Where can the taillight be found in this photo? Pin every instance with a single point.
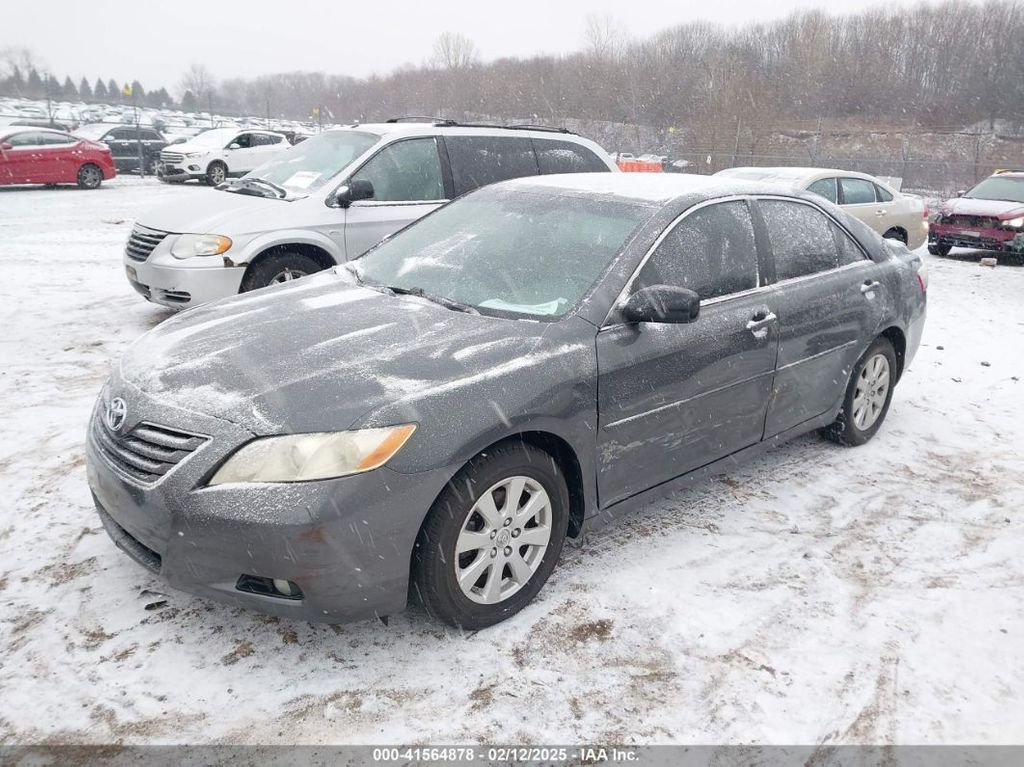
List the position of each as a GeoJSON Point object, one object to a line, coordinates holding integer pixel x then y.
{"type": "Point", "coordinates": [922, 278]}
{"type": "Point", "coordinates": [925, 213]}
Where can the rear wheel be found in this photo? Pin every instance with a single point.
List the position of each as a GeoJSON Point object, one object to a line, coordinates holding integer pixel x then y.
{"type": "Point", "coordinates": [867, 396]}
{"type": "Point", "coordinates": [216, 172]}
{"type": "Point", "coordinates": [938, 249]}
{"type": "Point", "coordinates": [896, 234]}
{"type": "Point", "coordinates": [276, 268]}
{"type": "Point", "coordinates": [89, 176]}
{"type": "Point", "coordinates": [492, 538]}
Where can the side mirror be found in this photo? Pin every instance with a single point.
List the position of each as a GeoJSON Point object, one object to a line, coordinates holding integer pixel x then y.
{"type": "Point", "coordinates": [353, 191]}
{"type": "Point", "coordinates": [662, 303]}
{"type": "Point", "coordinates": [234, 145]}
{"type": "Point", "coordinates": [961, 192]}
{"type": "Point", "coordinates": [5, 146]}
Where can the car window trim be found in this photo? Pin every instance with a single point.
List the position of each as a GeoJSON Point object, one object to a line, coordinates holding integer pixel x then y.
{"type": "Point", "coordinates": [623, 294]}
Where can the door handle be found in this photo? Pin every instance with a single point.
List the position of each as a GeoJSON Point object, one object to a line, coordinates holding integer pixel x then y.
{"type": "Point", "coordinates": [758, 324]}
{"type": "Point", "coordinates": [882, 212]}
{"type": "Point", "coordinates": [869, 285]}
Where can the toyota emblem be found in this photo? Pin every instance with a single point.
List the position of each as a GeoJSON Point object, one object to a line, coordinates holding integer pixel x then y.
{"type": "Point", "coordinates": [117, 412]}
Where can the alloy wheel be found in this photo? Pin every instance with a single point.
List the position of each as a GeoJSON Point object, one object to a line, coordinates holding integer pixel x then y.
{"type": "Point", "coordinates": [871, 392]}
{"type": "Point", "coordinates": [503, 540]}
{"type": "Point", "coordinates": [287, 275]}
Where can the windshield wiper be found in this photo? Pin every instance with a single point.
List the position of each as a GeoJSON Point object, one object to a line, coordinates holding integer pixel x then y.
{"type": "Point", "coordinates": [349, 267]}
{"type": "Point", "coordinates": [242, 184]}
{"type": "Point", "coordinates": [447, 303]}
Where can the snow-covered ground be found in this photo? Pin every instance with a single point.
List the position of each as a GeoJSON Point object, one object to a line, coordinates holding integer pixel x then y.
{"type": "Point", "coordinates": [816, 595]}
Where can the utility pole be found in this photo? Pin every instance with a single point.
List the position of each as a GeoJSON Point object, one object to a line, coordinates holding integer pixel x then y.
{"type": "Point", "coordinates": [736, 146]}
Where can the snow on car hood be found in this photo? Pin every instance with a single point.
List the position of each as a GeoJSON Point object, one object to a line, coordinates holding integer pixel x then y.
{"type": "Point", "coordinates": [968, 206]}
{"type": "Point", "coordinates": [319, 354]}
{"type": "Point", "coordinates": [211, 211]}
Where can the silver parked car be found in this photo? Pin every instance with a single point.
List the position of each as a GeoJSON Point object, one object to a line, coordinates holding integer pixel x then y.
{"type": "Point", "coordinates": [434, 418]}
{"type": "Point", "coordinates": [330, 199]}
{"type": "Point", "coordinates": [892, 214]}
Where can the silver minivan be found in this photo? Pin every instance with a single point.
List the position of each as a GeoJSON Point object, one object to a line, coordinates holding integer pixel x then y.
{"type": "Point", "coordinates": [330, 199]}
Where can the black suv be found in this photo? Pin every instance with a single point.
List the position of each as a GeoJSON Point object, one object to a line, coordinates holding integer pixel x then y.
{"type": "Point", "coordinates": [125, 142]}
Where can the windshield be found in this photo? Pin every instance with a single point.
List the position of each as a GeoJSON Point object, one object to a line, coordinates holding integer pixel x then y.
{"type": "Point", "coordinates": [309, 165]}
{"type": "Point", "coordinates": [217, 137]}
{"type": "Point", "coordinates": [531, 254]}
{"type": "Point", "coordinates": [1006, 188]}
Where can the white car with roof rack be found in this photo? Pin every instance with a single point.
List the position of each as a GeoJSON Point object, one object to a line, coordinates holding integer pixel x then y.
{"type": "Point", "coordinates": [215, 155]}
{"type": "Point", "coordinates": [331, 198]}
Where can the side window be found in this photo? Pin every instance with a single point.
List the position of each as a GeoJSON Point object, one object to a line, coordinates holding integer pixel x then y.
{"type": "Point", "coordinates": [25, 139]}
{"type": "Point", "coordinates": [151, 135]}
{"type": "Point", "coordinates": [849, 252]}
{"type": "Point", "coordinates": [481, 160]}
{"type": "Point", "coordinates": [244, 141]}
{"type": "Point", "coordinates": [882, 194]}
{"type": "Point", "coordinates": [265, 139]}
{"type": "Point", "coordinates": [825, 187]}
{"type": "Point", "coordinates": [406, 171]}
{"type": "Point", "coordinates": [122, 134]}
{"type": "Point", "coordinates": [566, 157]}
{"type": "Point", "coordinates": [801, 238]}
{"type": "Point", "coordinates": [58, 139]}
{"type": "Point", "coordinates": [857, 191]}
{"type": "Point", "coordinates": [712, 252]}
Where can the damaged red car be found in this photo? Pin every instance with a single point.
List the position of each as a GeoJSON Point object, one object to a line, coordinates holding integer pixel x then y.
{"type": "Point", "coordinates": [990, 216]}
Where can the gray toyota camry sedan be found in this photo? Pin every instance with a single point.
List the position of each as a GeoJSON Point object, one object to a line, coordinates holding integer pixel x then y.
{"type": "Point", "coordinates": [428, 423]}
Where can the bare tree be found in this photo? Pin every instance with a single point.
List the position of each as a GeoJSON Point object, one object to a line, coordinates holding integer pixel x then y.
{"type": "Point", "coordinates": [199, 81]}
{"type": "Point", "coordinates": [604, 37]}
{"type": "Point", "coordinates": [454, 51]}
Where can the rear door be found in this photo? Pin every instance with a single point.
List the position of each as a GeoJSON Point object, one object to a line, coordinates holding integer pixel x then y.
{"type": "Point", "coordinates": [857, 197]}
{"type": "Point", "coordinates": [57, 155]}
{"type": "Point", "coordinates": [828, 296]}
{"type": "Point", "coordinates": [408, 183]}
{"type": "Point", "coordinates": [675, 397]}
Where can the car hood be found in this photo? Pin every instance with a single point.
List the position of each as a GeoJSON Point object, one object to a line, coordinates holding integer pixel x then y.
{"type": "Point", "coordinates": [967, 206]}
{"type": "Point", "coordinates": [322, 353]}
{"type": "Point", "coordinates": [212, 211]}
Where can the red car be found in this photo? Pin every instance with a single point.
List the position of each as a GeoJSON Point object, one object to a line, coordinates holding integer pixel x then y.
{"type": "Point", "coordinates": [990, 216]}
{"type": "Point", "coordinates": [44, 156]}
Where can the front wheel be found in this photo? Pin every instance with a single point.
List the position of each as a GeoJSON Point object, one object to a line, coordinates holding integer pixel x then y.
{"type": "Point", "coordinates": [492, 538]}
{"type": "Point", "coordinates": [89, 176]}
{"type": "Point", "coordinates": [896, 234]}
{"type": "Point", "coordinates": [867, 396]}
{"type": "Point", "coordinates": [937, 249]}
{"type": "Point", "coordinates": [216, 173]}
{"type": "Point", "coordinates": [277, 268]}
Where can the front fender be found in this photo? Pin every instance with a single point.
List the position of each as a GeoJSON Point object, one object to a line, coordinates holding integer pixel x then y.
{"type": "Point", "coordinates": [284, 237]}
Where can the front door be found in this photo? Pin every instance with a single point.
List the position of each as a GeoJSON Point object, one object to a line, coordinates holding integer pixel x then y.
{"type": "Point", "coordinates": [407, 184]}
{"type": "Point", "coordinates": [675, 397]}
{"type": "Point", "coordinates": [857, 197]}
{"type": "Point", "coordinates": [829, 297]}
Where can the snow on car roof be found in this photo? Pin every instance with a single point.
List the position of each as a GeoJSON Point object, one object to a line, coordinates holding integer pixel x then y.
{"type": "Point", "coordinates": [651, 187]}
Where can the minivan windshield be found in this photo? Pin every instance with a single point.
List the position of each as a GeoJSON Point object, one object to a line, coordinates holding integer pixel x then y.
{"type": "Point", "coordinates": [312, 163]}
{"type": "Point", "coordinates": [1005, 188]}
{"type": "Point", "coordinates": [507, 252]}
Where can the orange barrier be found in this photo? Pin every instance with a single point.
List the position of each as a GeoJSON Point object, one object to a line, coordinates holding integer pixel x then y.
{"type": "Point", "coordinates": [635, 166]}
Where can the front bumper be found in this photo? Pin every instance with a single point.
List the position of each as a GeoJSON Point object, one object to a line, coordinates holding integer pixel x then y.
{"type": "Point", "coordinates": [179, 171]}
{"type": "Point", "coordinates": [999, 239]}
{"type": "Point", "coordinates": [347, 543]}
{"type": "Point", "coordinates": [166, 280]}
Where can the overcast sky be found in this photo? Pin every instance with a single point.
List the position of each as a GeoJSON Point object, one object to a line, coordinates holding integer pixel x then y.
{"type": "Point", "coordinates": [154, 42]}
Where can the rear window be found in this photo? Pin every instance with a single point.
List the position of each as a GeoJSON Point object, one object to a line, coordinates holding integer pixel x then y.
{"type": "Point", "coordinates": [566, 157]}
{"type": "Point", "coordinates": [480, 160]}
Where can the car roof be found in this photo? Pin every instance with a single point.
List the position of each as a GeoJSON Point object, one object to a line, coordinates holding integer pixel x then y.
{"type": "Point", "coordinates": [31, 129]}
{"type": "Point", "coordinates": [654, 188]}
{"type": "Point", "coordinates": [792, 174]}
{"type": "Point", "coordinates": [455, 129]}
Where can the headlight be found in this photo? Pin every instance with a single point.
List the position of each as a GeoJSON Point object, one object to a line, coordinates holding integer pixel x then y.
{"type": "Point", "coordinates": [188, 245]}
{"type": "Point", "coordinates": [1014, 223]}
{"type": "Point", "coordinates": [194, 155]}
{"type": "Point", "coordinates": [304, 457]}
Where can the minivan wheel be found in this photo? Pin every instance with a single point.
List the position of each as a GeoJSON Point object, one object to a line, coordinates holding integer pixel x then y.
{"type": "Point", "coordinates": [216, 172]}
{"type": "Point", "coordinates": [492, 538]}
{"type": "Point", "coordinates": [89, 176]}
{"type": "Point", "coordinates": [867, 396]}
{"type": "Point", "coordinates": [279, 267]}
{"type": "Point", "coordinates": [896, 234]}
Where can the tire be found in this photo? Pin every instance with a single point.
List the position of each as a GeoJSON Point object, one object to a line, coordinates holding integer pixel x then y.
{"type": "Point", "coordinates": [151, 165]}
{"type": "Point", "coordinates": [896, 234]}
{"type": "Point", "coordinates": [939, 250]}
{"type": "Point", "coordinates": [279, 267]}
{"type": "Point", "coordinates": [866, 402]}
{"type": "Point", "coordinates": [90, 176]}
{"type": "Point", "coordinates": [216, 173]}
{"type": "Point", "coordinates": [495, 594]}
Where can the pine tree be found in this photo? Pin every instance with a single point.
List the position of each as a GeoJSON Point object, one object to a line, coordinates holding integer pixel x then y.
{"type": "Point", "coordinates": [99, 91]}
{"type": "Point", "coordinates": [113, 90]}
{"type": "Point", "coordinates": [188, 102]}
{"type": "Point", "coordinates": [17, 82]}
{"type": "Point", "coordinates": [138, 92]}
{"type": "Point", "coordinates": [34, 87]}
{"type": "Point", "coordinates": [84, 91]}
{"type": "Point", "coordinates": [68, 90]}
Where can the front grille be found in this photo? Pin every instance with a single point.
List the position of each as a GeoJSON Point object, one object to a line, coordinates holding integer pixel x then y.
{"type": "Point", "coordinates": [171, 157]}
{"type": "Point", "coordinates": [148, 451]}
{"type": "Point", "coordinates": [972, 222]}
{"type": "Point", "coordinates": [142, 242]}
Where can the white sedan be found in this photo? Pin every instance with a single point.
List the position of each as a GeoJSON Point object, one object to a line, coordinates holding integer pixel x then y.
{"type": "Point", "coordinates": [892, 214]}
